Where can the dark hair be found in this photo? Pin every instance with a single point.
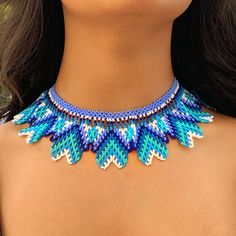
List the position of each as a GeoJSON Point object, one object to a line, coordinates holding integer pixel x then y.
{"type": "Point", "coordinates": [203, 51]}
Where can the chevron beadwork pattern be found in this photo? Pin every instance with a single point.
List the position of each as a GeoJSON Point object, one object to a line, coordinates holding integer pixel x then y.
{"type": "Point", "coordinates": [112, 141]}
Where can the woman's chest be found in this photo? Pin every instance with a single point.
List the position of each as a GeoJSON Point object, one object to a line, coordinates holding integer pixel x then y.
{"type": "Point", "coordinates": [42, 197]}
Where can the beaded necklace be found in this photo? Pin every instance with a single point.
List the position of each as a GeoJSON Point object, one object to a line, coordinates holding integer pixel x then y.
{"type": "Point", "coordinates": [112, 135]}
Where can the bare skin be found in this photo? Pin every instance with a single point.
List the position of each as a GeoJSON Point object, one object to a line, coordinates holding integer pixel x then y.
{"type": "Point", "coordinates": [109, 46]}
{"type": "Point", "coordinates": [191, 193]}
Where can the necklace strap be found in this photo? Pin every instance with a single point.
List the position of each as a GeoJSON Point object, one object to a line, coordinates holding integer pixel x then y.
{"type": "Point", "coordinates": [151, 108]}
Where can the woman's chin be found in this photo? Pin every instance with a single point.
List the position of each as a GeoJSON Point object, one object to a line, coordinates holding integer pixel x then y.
{"type": "Point", "coordinates": [139, 8]}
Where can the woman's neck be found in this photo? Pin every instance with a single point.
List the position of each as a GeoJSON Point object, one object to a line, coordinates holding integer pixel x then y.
{"type": "Point", "coordinates": [114, 67]}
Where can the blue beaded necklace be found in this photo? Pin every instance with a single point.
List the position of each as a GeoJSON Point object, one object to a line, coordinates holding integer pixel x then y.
{"type": "Point", "coordinates": [112, 135]}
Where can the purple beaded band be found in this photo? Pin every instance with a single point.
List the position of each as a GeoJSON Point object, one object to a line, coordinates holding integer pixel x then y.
{"type": "Point", "coordinates": [151, 108]}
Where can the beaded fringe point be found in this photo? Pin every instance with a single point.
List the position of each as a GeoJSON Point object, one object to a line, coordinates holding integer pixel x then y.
{"type": "Point", "coordinates": [112, 135]}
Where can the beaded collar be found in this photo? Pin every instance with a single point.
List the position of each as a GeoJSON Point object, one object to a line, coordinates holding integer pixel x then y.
{"type": "Point", "coordinates": [112, 135]}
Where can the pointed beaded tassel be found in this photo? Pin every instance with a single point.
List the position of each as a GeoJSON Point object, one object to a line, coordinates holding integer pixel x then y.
{"type": "Point", "coordinates": [112, 135]}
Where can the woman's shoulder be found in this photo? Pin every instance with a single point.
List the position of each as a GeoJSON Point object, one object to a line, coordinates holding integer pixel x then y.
{"type": "Point", "coordinates": [222, 130]}
{"type": "Point", "coordinates": [10, 142]}
{"type": "Point", "coordinates": [220, 136]}
{"type": "Point", "coordinates": [222, 122]}
{"type": "Point", "coordinates": [8, 135]}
